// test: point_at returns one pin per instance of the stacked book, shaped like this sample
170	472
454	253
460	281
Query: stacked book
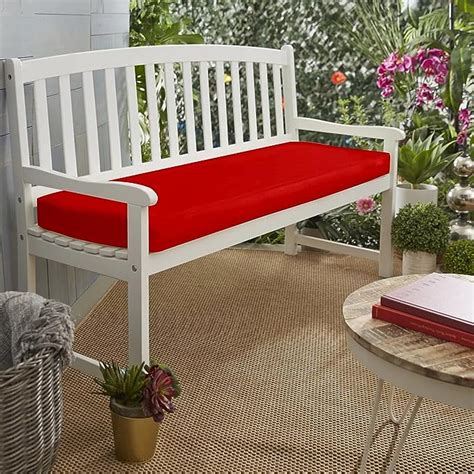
438	305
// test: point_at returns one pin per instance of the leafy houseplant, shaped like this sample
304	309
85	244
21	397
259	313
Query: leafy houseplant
459	257
139	397
420	160
421	231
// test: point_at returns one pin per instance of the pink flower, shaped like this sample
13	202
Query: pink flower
439	104
464	117
391	62
462	137
387	91
424	94
365	205
420	55
438	53
406	64
430	66
384	81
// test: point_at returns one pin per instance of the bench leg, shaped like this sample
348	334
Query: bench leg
291	247
386	248
138	316
26	271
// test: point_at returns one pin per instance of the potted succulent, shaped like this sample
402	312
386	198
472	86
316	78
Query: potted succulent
421	232
459	257
139	397
419	160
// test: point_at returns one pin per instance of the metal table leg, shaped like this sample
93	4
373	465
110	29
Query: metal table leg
368	440
394	419
399	447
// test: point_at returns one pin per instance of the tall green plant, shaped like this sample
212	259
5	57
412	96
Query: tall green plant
152	23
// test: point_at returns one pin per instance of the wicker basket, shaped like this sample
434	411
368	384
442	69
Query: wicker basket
30	414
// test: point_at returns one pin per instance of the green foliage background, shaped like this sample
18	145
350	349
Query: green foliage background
312	27
317	31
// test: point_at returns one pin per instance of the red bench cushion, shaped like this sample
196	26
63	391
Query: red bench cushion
198	199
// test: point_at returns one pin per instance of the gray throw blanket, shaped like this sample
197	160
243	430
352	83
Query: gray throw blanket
29	323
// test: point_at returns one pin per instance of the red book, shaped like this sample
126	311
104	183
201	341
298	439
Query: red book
426	326
444	299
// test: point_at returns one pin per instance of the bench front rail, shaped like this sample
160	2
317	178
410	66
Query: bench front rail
37	175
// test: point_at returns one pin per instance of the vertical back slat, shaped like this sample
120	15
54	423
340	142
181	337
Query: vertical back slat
42	125
205	104
67	125
251	101
153	117
189	108
112	119
221	104
278	99
133	121
289	91
171	110
236	103
91	122
267	131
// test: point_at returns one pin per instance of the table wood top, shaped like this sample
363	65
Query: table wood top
414	351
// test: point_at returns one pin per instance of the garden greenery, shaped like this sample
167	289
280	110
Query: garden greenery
421	228
153	23
459	257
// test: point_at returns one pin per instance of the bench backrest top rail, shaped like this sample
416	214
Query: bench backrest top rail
53	66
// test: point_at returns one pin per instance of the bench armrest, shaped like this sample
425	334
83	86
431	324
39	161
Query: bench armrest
366	131
129	193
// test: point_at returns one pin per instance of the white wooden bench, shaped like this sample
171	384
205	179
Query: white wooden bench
273	100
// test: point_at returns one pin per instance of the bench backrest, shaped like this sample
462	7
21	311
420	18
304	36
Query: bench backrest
186	74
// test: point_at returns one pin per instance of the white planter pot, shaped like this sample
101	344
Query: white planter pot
423	193
418	262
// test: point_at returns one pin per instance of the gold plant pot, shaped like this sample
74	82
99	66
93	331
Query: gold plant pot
134	436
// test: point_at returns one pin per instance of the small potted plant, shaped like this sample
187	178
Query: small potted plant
420	160
421	232
139	397
459	257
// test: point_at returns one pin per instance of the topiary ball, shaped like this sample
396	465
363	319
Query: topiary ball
421	227
459	257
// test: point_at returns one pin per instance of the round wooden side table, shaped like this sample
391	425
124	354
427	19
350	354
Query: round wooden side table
423	365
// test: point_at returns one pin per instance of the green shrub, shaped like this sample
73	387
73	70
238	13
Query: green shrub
459	257
421	228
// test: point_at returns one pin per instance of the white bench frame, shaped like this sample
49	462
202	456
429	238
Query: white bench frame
136	264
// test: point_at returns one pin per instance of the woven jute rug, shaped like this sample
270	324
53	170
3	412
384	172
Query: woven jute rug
257	340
